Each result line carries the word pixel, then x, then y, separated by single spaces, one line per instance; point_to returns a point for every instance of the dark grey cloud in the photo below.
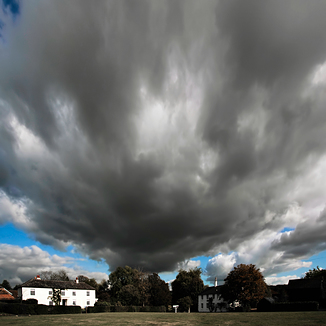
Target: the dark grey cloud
pixel 147 133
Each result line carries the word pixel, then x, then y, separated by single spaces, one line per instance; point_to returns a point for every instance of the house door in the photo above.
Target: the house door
pixel 64 302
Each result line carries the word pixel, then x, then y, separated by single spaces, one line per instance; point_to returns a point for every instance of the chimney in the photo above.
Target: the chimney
pixel 76 280
pixel 215 283
pixel 38 277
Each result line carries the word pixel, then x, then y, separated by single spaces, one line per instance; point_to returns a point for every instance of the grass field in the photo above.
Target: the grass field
pixel 171 319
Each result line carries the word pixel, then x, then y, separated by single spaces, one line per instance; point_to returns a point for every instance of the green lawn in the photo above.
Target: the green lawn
pixel 166 319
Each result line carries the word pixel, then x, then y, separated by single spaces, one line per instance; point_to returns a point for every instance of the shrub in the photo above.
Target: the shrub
pixel 41 309
pixel 30 301
pixel 96 309
pixel 19 309
pixel 121 308
pixel 145 309
pixel 65 310
pixel 158 309
pixel 102 303
pixel 296 306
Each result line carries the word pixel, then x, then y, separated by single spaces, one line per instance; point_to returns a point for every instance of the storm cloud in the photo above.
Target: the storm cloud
pixel 151 132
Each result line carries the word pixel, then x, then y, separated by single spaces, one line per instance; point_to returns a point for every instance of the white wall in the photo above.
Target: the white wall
pixel 43 296
pixel 203 302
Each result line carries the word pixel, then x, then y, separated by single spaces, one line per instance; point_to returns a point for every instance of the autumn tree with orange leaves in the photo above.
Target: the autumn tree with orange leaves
pixel 245 284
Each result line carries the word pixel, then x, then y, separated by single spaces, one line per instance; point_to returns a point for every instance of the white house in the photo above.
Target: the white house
pixel 73 293
pixel 210 300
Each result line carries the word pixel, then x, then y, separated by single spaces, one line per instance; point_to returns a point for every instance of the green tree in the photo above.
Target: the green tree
pixel 103 291
pixel 5 284
pixel 188 283
pixel 159 293
pixel 90 281
pixel 130 295
pixel 245 283
pixel 56 296
pixel 315 273
pixel 123 276
pixel 184 304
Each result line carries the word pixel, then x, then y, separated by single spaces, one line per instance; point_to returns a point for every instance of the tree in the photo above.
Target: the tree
pixel 56 296
pixel 90 281
pixel 127 276
pixel 5 284
pixel 188 283
pixel 130 295
pixel 60 275
pixel 184 304
pixel 103 291
pixel 158 290
pixel 315 273
pixel 245 283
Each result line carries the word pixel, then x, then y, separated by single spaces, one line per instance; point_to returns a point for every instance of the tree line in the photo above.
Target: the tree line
pixel 129 286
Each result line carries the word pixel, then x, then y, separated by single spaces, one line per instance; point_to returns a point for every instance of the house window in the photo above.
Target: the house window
pixel 63 293
pixel 88 303
pixel 74 293
pixel 74 303
pixel 50 292
pixel 202 305
pixel 87 293
pixel 50 303
pixel 32 291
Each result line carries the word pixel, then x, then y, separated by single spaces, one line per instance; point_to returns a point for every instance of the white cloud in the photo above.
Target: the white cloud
pixel 189 264
pixel 19 264
pixel 220 265
pixel 275 280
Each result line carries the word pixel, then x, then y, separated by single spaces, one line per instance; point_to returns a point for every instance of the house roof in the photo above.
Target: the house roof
pixel 37 283
pixel 211 290
pixel 5 294
pixel 305 284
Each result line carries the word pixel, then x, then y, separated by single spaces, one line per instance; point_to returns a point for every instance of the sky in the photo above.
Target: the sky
pixel 162 135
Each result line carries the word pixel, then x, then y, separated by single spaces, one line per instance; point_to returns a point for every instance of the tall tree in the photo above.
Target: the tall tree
pixel 159 293
pixel 5 284
pixel 128 286
pixel 103 293
pixel 188 284
pixel 90 281
pixel 315 273
pixel 245 283
pixel 60 275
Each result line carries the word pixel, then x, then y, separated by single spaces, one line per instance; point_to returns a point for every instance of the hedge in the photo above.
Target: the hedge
pixel 291 306
pixel 64 309
pixel 37 309
pixel 24 309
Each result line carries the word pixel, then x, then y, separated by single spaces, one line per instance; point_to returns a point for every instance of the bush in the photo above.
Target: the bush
pixel 291 306
pixel 158 309
pixel 133 309
pixel 102 303
pixel 97 309
pixel 41 309
pixel 65 310
pixel 296 306
pixel 19 309
pixel 121 308
pixel 145 309
pixel 30 301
